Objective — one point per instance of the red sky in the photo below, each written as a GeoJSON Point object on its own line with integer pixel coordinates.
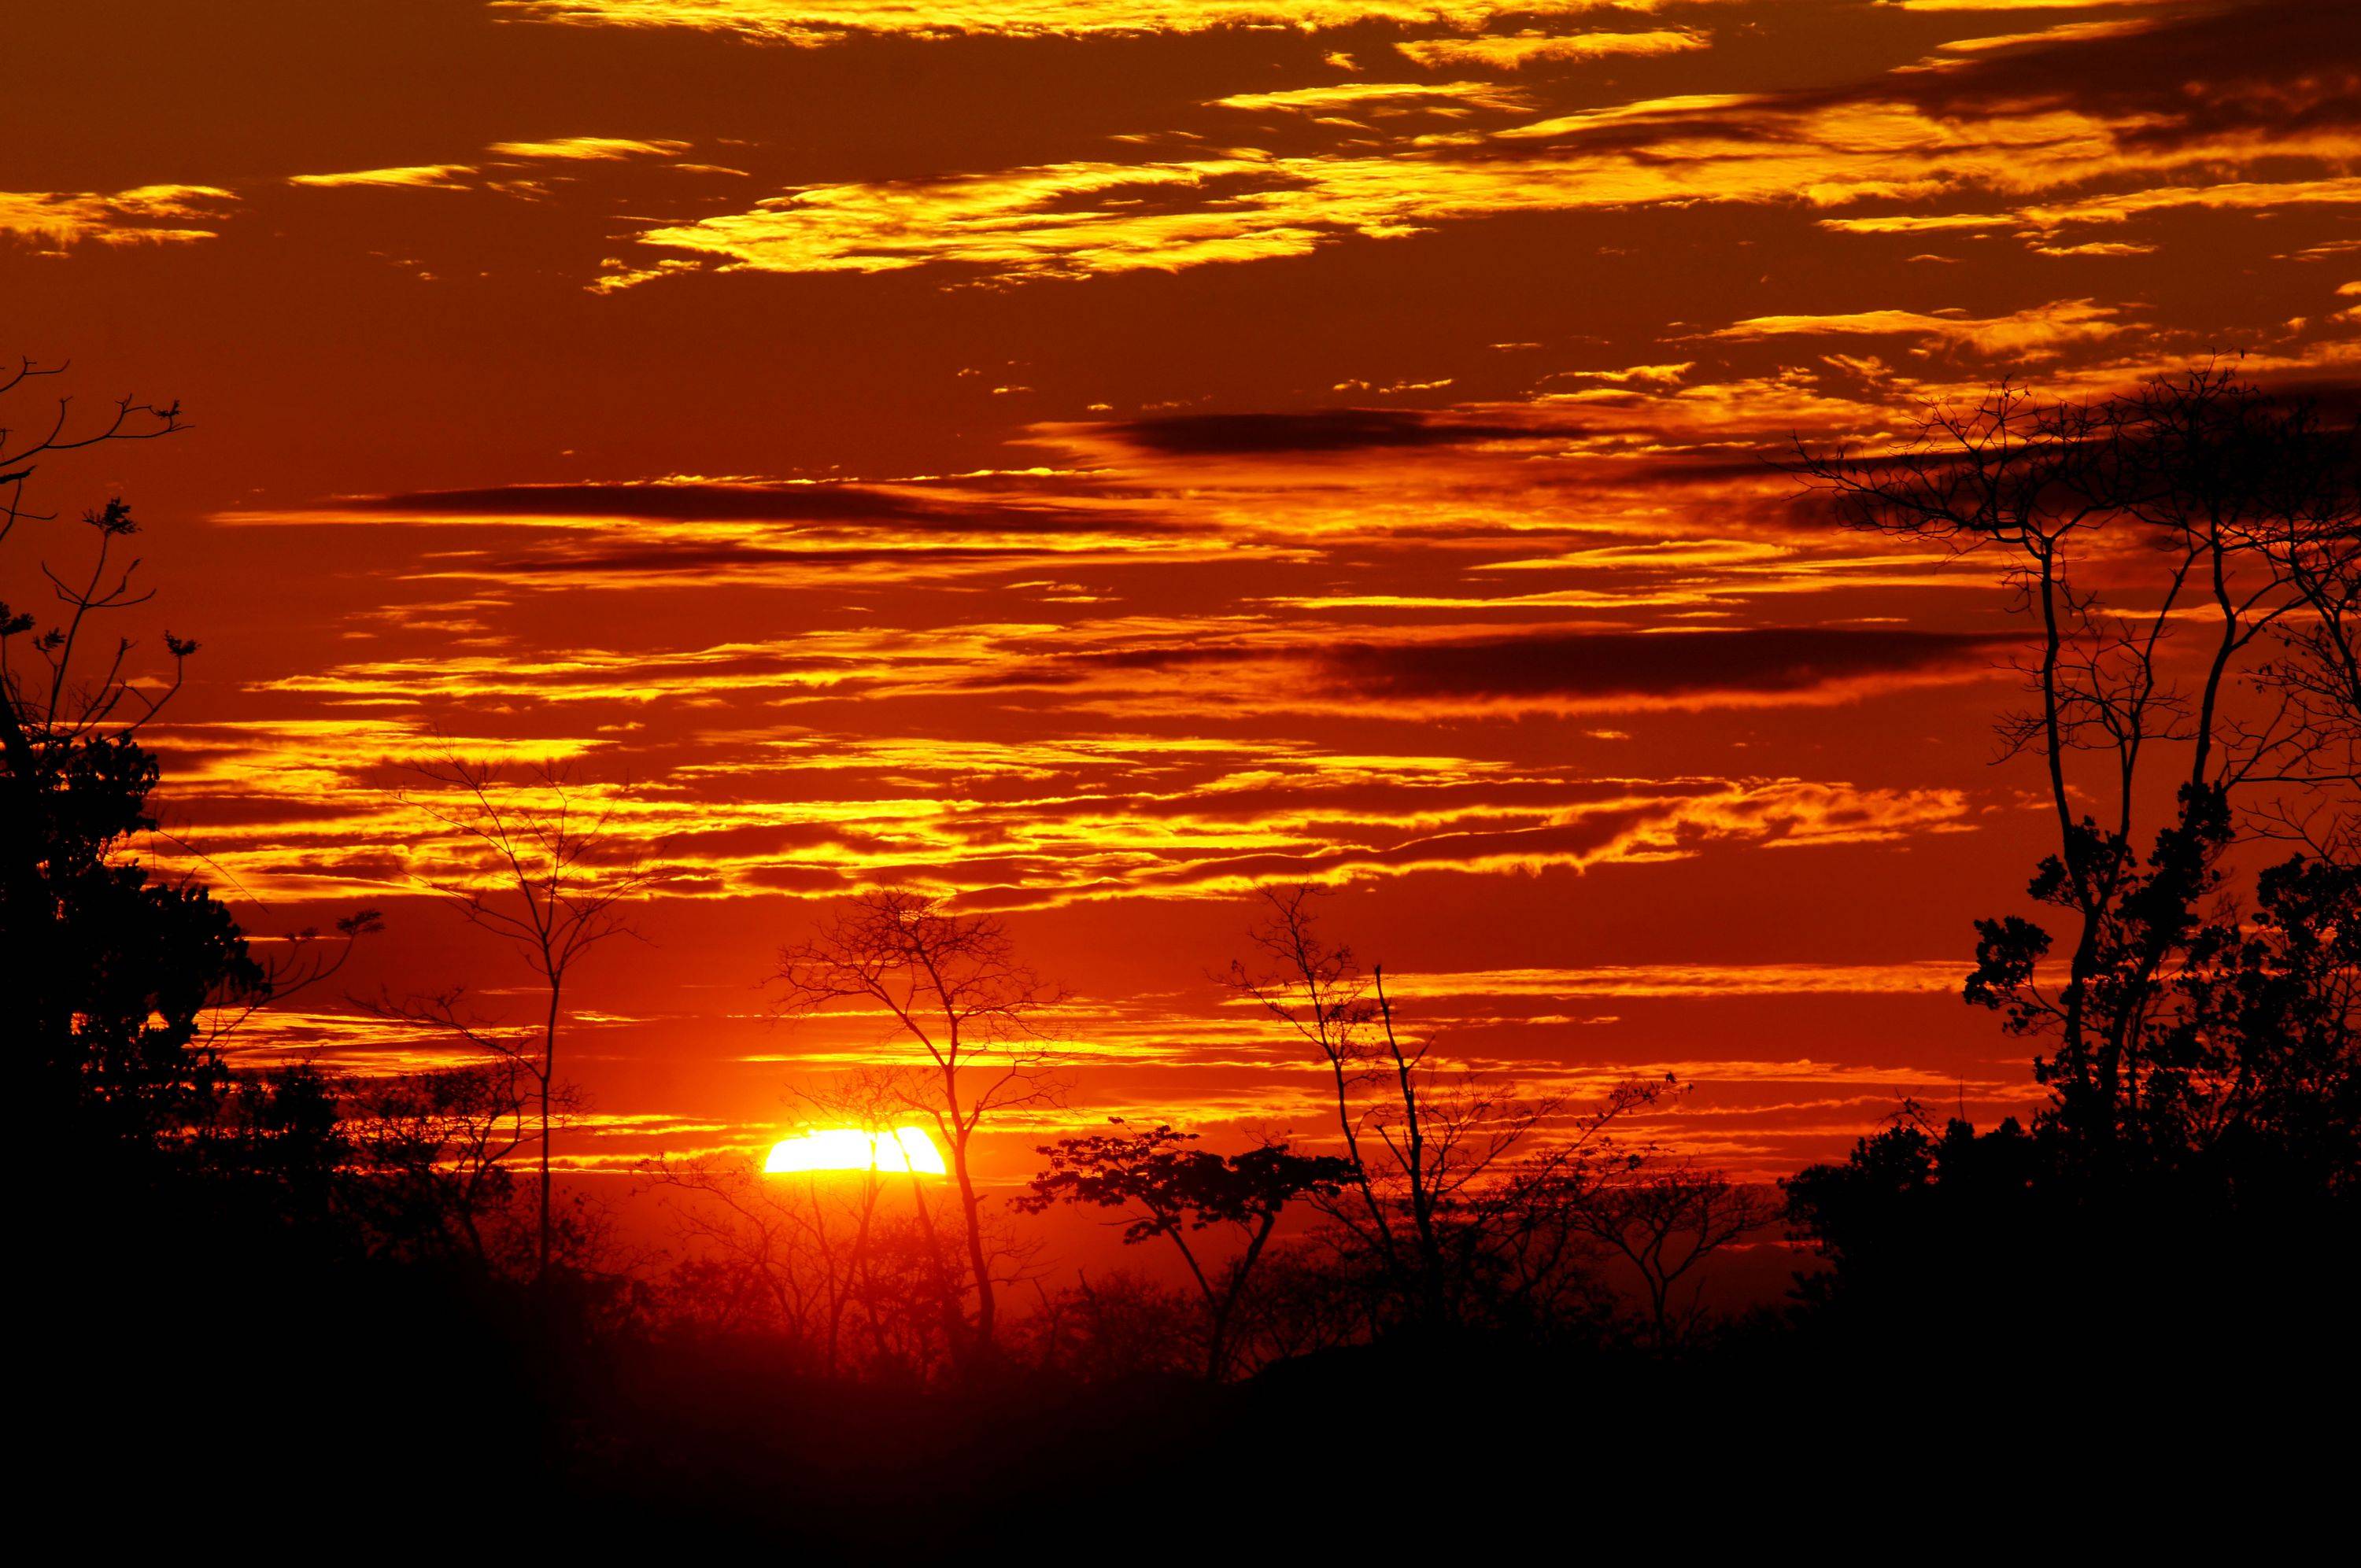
{"type": "Point", "coordinates": [1092, 459]}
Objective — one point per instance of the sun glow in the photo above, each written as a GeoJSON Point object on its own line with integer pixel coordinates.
{"type": "Point", "coordinates": [851, 1148]}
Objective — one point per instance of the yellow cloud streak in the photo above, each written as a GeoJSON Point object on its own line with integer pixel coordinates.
{"type": "Point", "coordinates": [144, 215]}
{"type": "Point", "coordinates": [1354, 94]}
{"type": "Point", "coordinates": [1514, 51]}
{"type": "Point", "coordinates": [1075, 218]}
{"type": "Point", "coordinates": [815, 22]}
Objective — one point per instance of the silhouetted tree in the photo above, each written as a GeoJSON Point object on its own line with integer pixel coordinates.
{"type": "Point", "coordinates": [1664, 1220]}
{"type": "Point", "coordinates": [2237, 513]}
{"type": "Point", "coordinates": [2315, 676]}
{"type": "Point", "coordinates": [1918, 1213]}
{"type": "Point", "coordinates": [1456, 1198]}
{"type": "Point", "coordinates": [1173, 1190]}
{"type": "Point", "coordinates": [543, 878]}
{"type": "Point", "coordinates": [951, 985]}
{"type": "Point", "coordinates": [113, 968]}
{"type": "Point", "coordinates": [2253, 1074]}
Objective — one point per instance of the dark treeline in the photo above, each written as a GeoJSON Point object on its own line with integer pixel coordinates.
{"type": "Point", "coordinates": [366, 1296]}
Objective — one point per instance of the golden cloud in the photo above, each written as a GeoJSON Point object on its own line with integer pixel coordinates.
{"type": "Point", "coordinates": [1514, 51]}
{"type": "Point", "coordinates": [144, 215]}
{"type": "Point", "coordinates": [415, 176]}
{"type": "Point", "coordinates": [2036, 333]}
{"type": "Point", "coordinates": [1100, 216]}
{"type": "Point", "coordinates": [815, 22]}
{"type": "Point", "coordinates": [1354, 95]}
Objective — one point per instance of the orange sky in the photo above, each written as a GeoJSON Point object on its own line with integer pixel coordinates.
{"type": "Point", "coordinates": [1091, 458]}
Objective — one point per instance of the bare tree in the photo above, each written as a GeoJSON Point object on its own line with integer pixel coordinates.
{"type": "Point", "coordinates": [950, 985]}
{"type": "Point", "coordinates": [2316, 674]}
{"type": "Point", "coordinates": [53, 707]}
{"type": "Point", "coordinates": [544, 879]}
{"type": "Point", "coordinates": [1664, 1220]}
{"type": "Point", "coordinates": [1452, 1183]}
{"type": "Point", "coordinates": [307, 960]}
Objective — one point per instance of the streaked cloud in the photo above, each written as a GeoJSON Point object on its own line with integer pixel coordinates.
{"type": "Point", "coordinates": [592, 148]}
{"type": "Point", "coordinates": [1355, 95]}
{"type": "Point", "coordinates": [1513, 51]}
{"type": "Point", "coordinates": [418, 176]}
{"type": "Point", "coordinates": [813, 22]}
{"type": "Point", "coordinates": [498, 171]}
{"type": "Point", "coordinates": [144, 215]}
{"type": "Point", "coordinates": [1099, 216]}
{"type": "Point", "coordinates": [1411, 679]}
{"type": "Point", "coordinates": [2039, 332]}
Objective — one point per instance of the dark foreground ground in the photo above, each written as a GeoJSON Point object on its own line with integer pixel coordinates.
{"type": "Point", "coordinates": [381, 1416]}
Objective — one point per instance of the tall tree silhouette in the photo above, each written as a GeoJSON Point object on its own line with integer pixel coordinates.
{"type": "Point", "coordinates": [541, 873]}
{"type": "Point", "coordinates": [951, 985]}
{"type": "Point", "coordinates": [2162, 543]}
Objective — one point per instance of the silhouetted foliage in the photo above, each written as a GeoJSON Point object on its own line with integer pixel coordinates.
{"type": "Point", "coordinates": [2199, 1056]}
{"type": "Point", "coordinates": [113, 966]}
{"type": "Point", "coordinates": [1175, 1189]}
{"type": "Point", "coordinates": [2245, 508]}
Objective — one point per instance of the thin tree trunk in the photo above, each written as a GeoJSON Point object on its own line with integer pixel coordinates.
{"type": "Point", "coordinates": [548, 1071]}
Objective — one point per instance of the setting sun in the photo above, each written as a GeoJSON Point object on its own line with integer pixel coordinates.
{"type": "Point", "coordinates": [849, 1148]}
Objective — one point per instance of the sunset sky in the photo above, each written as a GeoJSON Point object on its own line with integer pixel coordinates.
{"type": "Point", "coordinates": [1090, 458]}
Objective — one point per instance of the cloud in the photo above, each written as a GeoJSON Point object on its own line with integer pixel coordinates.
{"type": "Point", "coordinates": [144, 215]}
{"type": "Point", "coordinates": [929, 509]}
{"type": "Point", "coordinates": [1413, 678]}
{"type": "Point", "coordinates": [1315, 431]}
{"type": "Point", "coordinates": [2040, 222]}
{"type": "Point", "coordinates": [2185, 102]}
{"type": "Point", "coordinates": [589, 148]}
{"type": "Point", "coordinates": [1345, 96]}
{"type": "Point", "coordinates": [1918, 977]}
{"type": "Point", "coordinates": [417, 176]}
{"type": "Point", "coordinates": [1074, 219]}
{"type": "Point", "coordinates": [300, 809]}
{"type": "Point", "coordinates": [2037, 332]}
{"type": "Point", "coordinates": [618, 534]}
{"type": "Point", "coordinates": [2015, 5]}
{"type": "Point", "coordinates": [1514, 51]}
{"type": "Point", "coordinates": [504, 154]}
{"type": "Point", "coordinates": [2069, 32]}
{"type": "Point", "coordinates": [816, 22]}
{"type": "Point", "coordinates": [1619, 664]}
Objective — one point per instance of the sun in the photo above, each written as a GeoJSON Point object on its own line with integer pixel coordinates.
{"type": "Point", "coordinates": [853, 1148]}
